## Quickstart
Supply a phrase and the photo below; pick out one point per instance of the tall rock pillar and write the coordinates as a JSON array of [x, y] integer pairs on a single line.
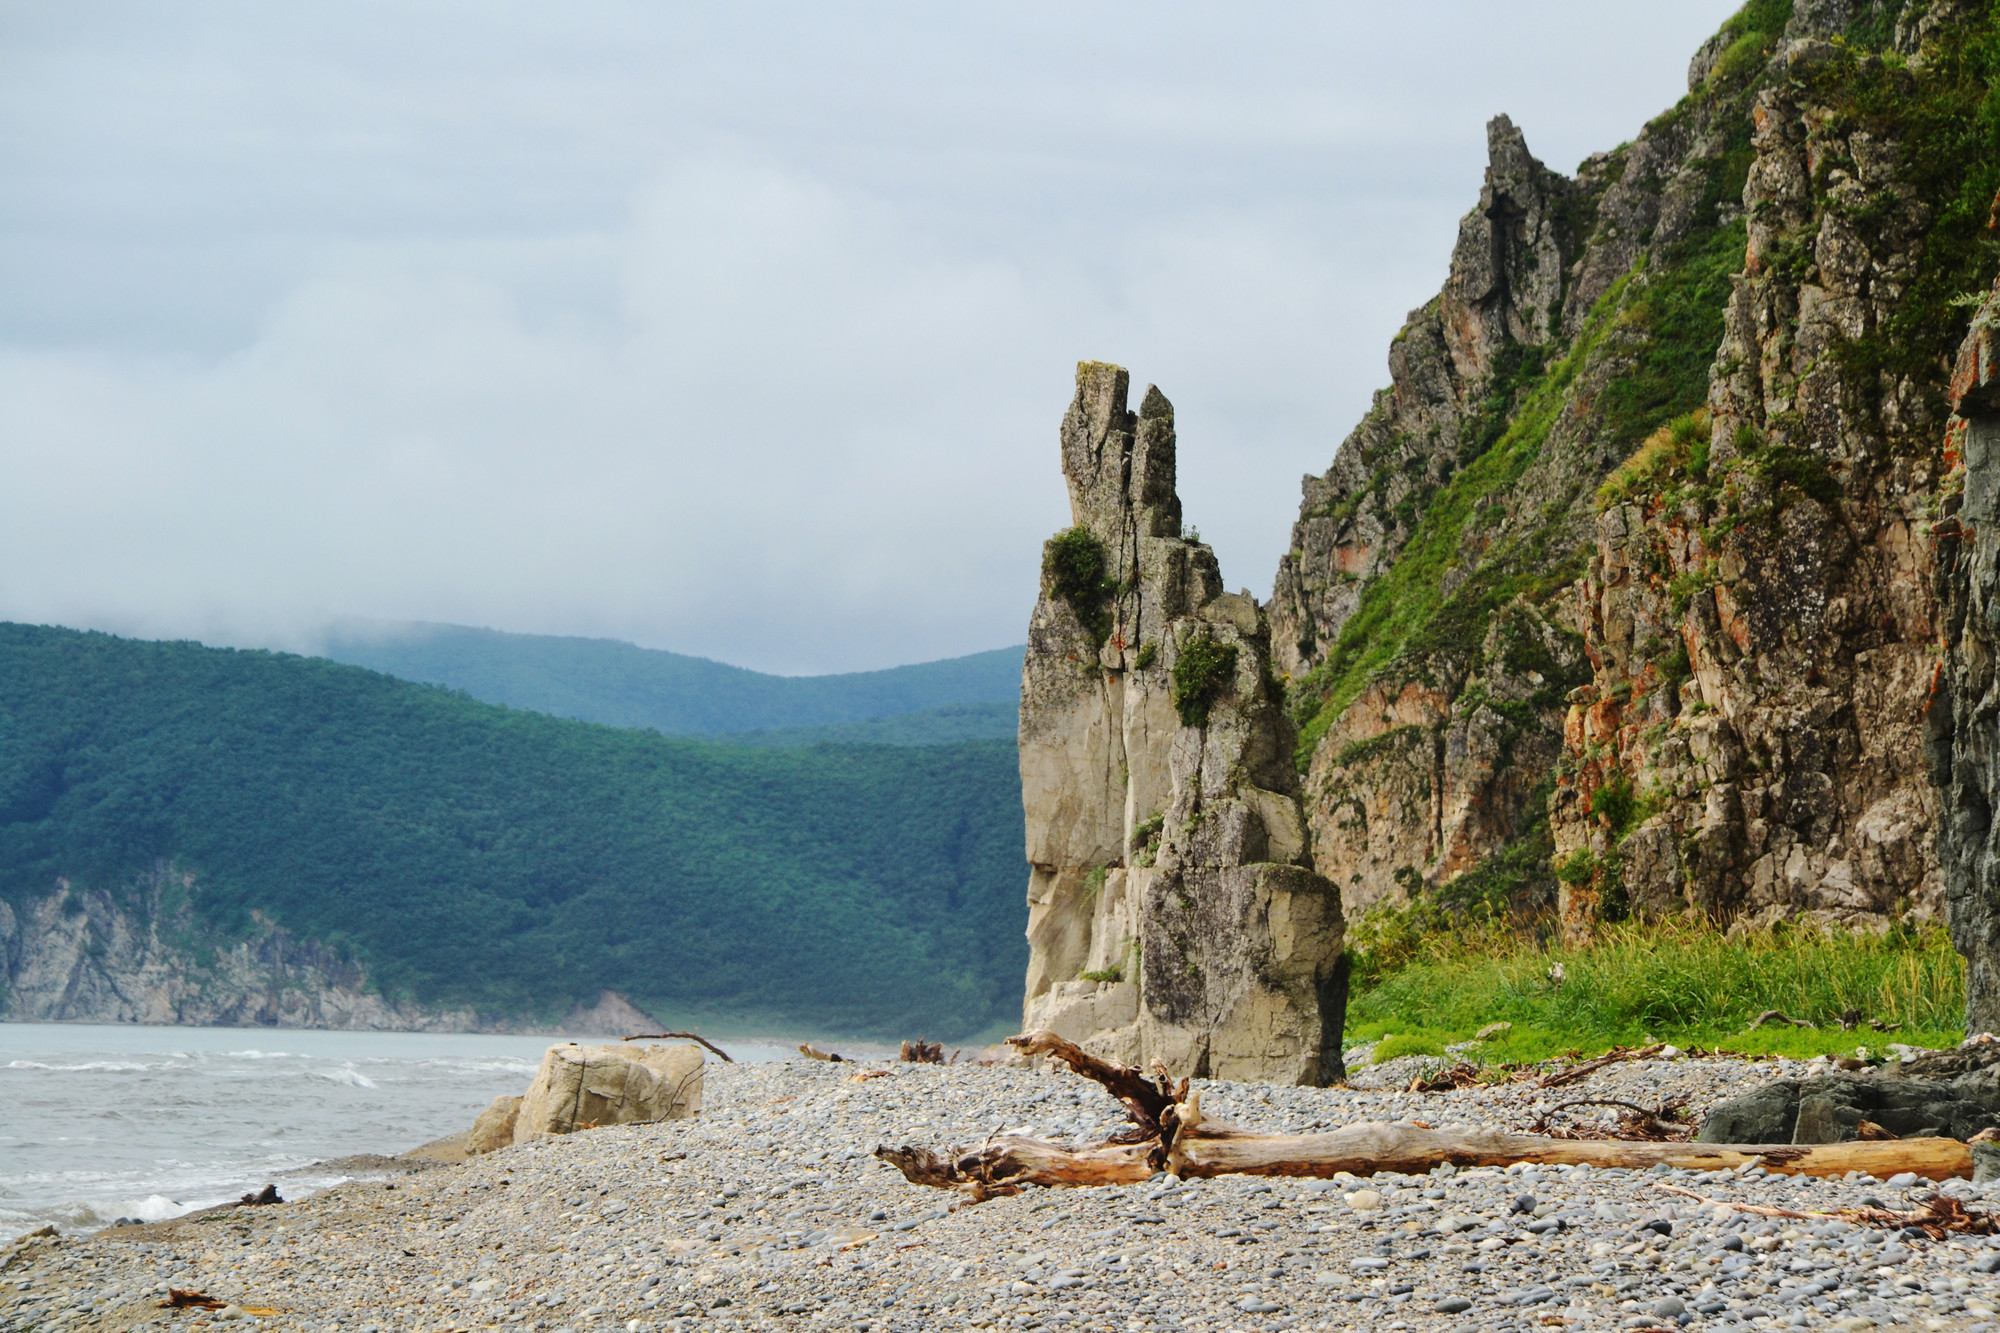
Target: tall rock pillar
[[1173, 913], [1962, 715]]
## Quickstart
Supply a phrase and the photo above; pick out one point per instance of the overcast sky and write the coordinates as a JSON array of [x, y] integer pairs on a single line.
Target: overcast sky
[[740, 330]]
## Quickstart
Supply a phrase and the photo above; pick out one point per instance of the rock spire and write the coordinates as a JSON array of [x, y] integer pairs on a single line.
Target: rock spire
[[1173, 913]]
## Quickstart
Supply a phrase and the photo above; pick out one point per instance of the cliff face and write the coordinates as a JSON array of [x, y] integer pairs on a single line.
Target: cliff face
[[142, 956], [1962, 720], [1785, 596], [1172, 915], [1621, 595]]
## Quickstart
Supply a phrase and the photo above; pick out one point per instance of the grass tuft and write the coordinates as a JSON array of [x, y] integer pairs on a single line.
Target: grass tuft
[[1677, 449]]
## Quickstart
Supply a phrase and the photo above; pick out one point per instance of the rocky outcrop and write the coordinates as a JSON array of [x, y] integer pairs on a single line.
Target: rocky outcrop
[[1758, 602], [143, 955], [585, 1087], [1962, 720], [1417, 615], [1504, 303], [1172, 911], [1628, 610], [140, 956]]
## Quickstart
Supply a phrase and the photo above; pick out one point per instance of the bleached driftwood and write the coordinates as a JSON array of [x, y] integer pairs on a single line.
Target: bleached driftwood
[[1170, 1133]]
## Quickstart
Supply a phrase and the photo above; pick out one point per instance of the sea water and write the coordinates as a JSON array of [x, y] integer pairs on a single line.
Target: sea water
[[103, 1122]]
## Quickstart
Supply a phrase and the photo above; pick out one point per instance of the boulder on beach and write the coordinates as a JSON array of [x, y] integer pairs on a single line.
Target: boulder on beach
[[495, 1127], [583, 1087], [1832, 1109]]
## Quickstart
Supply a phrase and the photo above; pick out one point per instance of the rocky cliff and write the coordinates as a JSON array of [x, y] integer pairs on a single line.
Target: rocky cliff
[[1620, 597], [1962, 719], [1172, 911], [142, 955]]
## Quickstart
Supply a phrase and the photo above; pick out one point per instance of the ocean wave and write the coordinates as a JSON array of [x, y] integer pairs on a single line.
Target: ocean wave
[[348, 1075], [107, 1066], [156, 1208]]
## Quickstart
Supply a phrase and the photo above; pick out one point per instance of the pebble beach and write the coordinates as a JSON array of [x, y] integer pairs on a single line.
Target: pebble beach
[[767, 1211]]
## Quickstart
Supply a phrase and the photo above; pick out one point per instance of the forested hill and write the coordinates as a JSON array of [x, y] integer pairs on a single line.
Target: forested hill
[[623, 685], [470, 854], [932, 726]]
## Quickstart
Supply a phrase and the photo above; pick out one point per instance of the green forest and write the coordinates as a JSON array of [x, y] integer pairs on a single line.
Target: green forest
[[472, 854]]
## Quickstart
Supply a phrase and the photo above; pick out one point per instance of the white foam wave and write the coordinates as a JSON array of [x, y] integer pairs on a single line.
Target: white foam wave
[[348, 1075], [156, 1208], [110, 1066]]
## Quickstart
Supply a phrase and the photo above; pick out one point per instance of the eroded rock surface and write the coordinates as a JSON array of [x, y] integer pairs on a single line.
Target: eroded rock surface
[[583, 1087], [1172, 910], [1762, 635], [92, 956]]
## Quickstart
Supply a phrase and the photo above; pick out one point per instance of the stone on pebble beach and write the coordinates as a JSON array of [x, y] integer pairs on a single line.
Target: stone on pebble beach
[[579, 1086], [494, 1129]]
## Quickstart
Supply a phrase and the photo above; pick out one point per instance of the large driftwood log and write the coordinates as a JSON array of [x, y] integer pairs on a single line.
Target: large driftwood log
[[1171, 1134]]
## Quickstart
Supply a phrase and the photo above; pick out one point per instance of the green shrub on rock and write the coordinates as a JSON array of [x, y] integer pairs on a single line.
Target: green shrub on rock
[[1075, 571], [1202, 674]]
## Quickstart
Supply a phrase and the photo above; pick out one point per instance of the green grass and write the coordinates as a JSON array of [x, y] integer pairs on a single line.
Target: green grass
[[1407, 604], [1681, 982]]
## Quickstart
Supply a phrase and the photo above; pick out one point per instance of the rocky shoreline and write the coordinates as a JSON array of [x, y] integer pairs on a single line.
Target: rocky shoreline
[[767, 1211]]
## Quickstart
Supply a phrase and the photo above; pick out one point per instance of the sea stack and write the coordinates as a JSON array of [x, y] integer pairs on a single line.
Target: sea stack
[[1173, 911]]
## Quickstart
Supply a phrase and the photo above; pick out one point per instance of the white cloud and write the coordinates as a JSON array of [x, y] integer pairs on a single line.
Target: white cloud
[[744, 335]]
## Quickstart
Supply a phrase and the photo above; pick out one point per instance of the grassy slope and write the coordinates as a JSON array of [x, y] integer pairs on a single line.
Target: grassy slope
[[1683, 983], [1673, 300], [514, 861], [622, 685]]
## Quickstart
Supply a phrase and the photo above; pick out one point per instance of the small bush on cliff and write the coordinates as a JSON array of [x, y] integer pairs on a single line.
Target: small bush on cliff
[[1787, 468], [1621, 807], [1073, 567], [1202, 674]]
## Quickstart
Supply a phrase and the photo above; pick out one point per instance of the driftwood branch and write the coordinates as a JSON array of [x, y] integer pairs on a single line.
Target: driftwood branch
[[1934, 1216], [1146, 1101], [1170, 1133], [682, 1036], [1658, 1123], [1616, 1055], [1362, 1150]]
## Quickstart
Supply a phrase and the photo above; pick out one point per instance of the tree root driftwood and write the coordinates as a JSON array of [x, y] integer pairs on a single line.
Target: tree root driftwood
[[1169, 1132]]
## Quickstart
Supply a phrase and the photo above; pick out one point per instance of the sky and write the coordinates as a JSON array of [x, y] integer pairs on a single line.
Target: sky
[[742, 331]]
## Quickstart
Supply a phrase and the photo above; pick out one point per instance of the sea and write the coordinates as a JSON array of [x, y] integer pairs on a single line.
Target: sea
[[99, 1123]]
